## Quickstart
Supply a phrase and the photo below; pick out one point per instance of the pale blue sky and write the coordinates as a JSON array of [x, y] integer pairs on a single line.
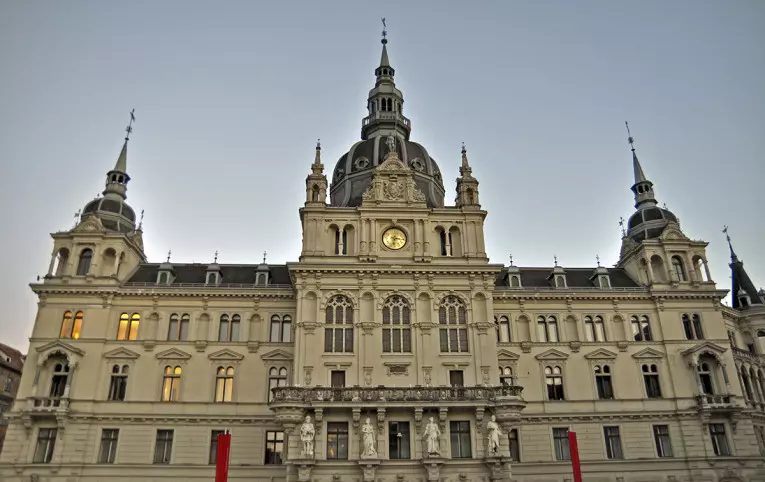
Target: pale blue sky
[[231, 96]]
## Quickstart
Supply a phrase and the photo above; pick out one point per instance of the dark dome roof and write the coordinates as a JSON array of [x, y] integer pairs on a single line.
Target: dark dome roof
[[649, 223], [115, 214], [354, 170]]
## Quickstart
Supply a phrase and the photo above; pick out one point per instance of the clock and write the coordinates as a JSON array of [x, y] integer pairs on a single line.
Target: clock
[[394, 238]]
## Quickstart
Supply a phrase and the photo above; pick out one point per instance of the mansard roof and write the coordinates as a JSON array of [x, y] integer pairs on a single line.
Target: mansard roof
[[240, 274], [575, 278]]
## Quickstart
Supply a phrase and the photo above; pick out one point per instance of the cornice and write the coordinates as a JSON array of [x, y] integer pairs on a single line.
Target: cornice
[[282, 293], [434, 270], [603, 295]]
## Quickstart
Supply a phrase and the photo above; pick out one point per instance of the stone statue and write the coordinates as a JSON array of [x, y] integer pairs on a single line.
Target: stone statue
[[369, 440], [493, 434], [432, 437], [391, 143], [307, 434]]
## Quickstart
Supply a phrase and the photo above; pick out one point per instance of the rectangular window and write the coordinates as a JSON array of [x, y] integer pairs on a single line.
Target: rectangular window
[[274, 447], [214, 446], [453, 340], [456, 378], [515, 445], [337, 440], [603, 384], [652, 387], [46, 442], [338, 340], [337, 379], [663, 443], [719, 439], [560, 441], [613, 443], [163, 449], [398, 440], [108, 451], [460, 440]]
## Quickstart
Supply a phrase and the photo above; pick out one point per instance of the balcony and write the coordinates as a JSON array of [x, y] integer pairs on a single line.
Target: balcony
[[386, 116], [745, 355], [393, 396], [42, 406]]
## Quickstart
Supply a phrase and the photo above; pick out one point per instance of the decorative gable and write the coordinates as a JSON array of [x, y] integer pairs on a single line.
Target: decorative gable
[[59, 345], [277, 356], [648, 353], [121, 354], [705, 347], [173, 354], [507, 355], [225, 355], [393, 182], [600, 354], [552, 354]]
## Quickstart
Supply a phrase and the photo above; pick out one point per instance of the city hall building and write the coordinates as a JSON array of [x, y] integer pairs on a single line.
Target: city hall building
[[393, 349]]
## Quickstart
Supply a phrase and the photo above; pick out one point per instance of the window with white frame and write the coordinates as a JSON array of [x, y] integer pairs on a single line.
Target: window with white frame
[[277, 377], [338, 333], [603, 382], [692, 326], [554, 382], [594, 328], [224, 384], [281, 329], [229, 328], [396, 333], [547, 329], [452, 318], [651, 380], [503, 328]]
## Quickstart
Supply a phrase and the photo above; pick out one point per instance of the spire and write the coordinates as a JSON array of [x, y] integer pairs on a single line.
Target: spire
[[743, 291], [317, 159], [385, 102], [643, 188], [467, 185], [465, 170], [117, 178]]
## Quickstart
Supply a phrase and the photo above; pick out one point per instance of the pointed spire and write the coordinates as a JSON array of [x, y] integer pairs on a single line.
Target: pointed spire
[[637, 168], [742, 286], [733, 257], [465, 169], [118, 178], [121, 165], [643, 188], [384, 62], [317, 159]]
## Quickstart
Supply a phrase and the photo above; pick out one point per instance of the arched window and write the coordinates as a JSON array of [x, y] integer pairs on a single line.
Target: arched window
[[277, 377], [446, 242], [281, 329], [62, 259], [641, 328], [118, 382], [506, 376], [338, 333], [341, 241], [503, 329], [692, 326], [71, 327], [315, 193], [677, 267], [397, 335], [515, 281], [171, 384], [58, 382], [83, 265], [128, 327], [554, 382], [178, 329], [594, 328], [224, 384], [603, 382], [164, 278], [229, 328], [706, 377], [452, 316], [651, 380], [547, 329]]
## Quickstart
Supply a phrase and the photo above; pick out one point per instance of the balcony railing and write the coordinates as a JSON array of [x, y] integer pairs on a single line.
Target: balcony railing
[[391, 116], [47, 404], [746, 354], [713, 402], [568, 289], [393, 394], [246, 286]]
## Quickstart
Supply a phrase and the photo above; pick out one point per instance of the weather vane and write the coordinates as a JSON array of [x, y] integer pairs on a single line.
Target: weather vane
[[555, 256], [129, 128], [621, 223], [384, 32], [169, 252], [725, 230], [264, 256], [140, 223], [511, 259], [215, 260], [597, 258], [630, 139]]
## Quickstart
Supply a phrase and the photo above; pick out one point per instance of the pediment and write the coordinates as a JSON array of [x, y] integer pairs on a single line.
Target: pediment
[[507, 355], [90, 224], [225, 355], [648, 353], [277, 355], [600, 354], [121, 353], [173, 354], [60, 346], [672, 233], [552, 354], [705, 347]]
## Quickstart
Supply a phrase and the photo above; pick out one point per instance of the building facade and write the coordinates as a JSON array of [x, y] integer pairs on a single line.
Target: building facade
[[393, 349], [11, 364]]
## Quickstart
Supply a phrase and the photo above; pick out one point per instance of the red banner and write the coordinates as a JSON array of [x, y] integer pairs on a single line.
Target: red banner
[[574, 450], [221, 460]]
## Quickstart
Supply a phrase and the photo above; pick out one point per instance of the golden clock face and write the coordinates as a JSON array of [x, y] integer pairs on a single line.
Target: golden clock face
[[394, 238]]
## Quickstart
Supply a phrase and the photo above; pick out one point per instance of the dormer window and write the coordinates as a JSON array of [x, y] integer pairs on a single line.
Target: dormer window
[[163, 278], [261, 279], [212, 279], [603, 281], [560, 281], [743, 298]]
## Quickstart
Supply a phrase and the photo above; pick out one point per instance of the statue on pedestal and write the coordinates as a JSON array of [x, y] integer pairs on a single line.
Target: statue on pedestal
[[432, 437], [369, 440], [493, 434], [307, 434]]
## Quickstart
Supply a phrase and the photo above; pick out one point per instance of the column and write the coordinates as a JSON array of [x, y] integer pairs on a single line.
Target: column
[[52, 262], [425, 238]]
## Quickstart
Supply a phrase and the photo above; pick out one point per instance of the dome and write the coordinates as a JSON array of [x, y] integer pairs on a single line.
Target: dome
[[354, 171], [115, 214], [649, 223]]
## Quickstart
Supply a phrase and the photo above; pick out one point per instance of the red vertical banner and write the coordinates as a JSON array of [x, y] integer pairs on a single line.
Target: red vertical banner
[[221, 457], [574, 450]]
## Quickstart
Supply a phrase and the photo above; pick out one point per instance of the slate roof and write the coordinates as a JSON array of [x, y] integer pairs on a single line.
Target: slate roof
[[196, 272], [741, 280], [575, 278], [17, 358]]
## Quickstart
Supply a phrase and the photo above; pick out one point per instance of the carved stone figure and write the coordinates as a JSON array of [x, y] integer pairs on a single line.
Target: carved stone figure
[[432, 437], [493, 435], [307, 434], [369, 440], [391, 143]]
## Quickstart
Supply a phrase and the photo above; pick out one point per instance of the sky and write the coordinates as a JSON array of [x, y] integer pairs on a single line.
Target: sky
[[230, 98]]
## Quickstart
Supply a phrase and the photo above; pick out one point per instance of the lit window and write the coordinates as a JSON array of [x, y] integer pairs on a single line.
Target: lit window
[[171, 384], [71, 327], [128, 327], [224, 384]]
